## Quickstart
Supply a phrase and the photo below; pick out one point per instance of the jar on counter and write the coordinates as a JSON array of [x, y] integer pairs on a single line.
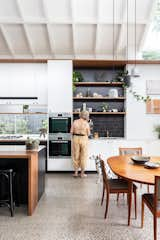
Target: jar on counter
[[96, 135]]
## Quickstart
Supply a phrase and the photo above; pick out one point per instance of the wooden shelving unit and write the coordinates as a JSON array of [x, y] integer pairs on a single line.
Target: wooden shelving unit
[[97, 78], [98, 98], [103, 113], [98, 84]]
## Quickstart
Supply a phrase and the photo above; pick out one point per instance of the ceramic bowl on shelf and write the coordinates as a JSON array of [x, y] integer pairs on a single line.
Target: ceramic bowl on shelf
[[140, 159]]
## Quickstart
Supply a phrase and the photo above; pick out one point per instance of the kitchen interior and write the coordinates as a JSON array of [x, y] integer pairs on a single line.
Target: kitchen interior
[[46, 84]]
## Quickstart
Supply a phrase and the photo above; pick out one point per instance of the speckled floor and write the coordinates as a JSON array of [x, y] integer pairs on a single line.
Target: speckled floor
[[70, 210]]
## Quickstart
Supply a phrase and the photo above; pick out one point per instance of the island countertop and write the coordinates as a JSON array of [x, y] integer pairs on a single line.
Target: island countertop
[[36, 169], [17, 151]]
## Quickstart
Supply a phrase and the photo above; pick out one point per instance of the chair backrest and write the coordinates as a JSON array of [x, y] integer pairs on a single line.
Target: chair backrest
[[130, 151], [104, 174], [157, 191]]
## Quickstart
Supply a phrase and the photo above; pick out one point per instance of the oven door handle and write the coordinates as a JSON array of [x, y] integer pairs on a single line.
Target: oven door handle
[[59, 118], [59, 141]]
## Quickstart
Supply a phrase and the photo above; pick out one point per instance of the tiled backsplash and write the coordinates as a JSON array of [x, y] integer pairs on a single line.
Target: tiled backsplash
[[22, 124], [113, 124]]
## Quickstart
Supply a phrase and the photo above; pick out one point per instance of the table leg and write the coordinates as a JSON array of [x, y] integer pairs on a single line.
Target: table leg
[[130, 202]]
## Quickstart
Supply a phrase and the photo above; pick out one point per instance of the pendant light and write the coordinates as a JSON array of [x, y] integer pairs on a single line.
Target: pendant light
[[134, 71], [127, 78]]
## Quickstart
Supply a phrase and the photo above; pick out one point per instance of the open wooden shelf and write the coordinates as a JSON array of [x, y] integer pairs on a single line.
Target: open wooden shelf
[[30, 113], [98, 84], [98, 98], [104, 113]]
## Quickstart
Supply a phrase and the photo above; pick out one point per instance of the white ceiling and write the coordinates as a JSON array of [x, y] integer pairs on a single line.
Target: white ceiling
[[71, 28]]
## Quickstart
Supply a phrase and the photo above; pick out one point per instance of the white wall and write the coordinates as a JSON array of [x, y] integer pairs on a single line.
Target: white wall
[[24, 79], [139, 125]]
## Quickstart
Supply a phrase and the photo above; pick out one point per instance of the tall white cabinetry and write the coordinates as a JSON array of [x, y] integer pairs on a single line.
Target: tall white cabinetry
[[60, 86], [59, 101]]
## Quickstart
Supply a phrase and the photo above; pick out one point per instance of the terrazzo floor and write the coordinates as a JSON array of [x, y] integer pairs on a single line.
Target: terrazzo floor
[[70, 210]]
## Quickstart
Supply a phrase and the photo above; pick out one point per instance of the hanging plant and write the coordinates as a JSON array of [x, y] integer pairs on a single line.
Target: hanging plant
[[125, 78]]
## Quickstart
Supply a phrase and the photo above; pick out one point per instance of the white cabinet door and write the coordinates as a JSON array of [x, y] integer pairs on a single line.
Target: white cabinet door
[[60, 86]]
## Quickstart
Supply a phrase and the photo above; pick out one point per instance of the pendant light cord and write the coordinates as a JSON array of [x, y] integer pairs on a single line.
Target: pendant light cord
[[113, 35], [135, 32], [127, 32], [113, 31]]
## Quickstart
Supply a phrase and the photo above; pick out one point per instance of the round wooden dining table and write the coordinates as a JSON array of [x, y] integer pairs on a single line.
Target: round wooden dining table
[[124, 167]]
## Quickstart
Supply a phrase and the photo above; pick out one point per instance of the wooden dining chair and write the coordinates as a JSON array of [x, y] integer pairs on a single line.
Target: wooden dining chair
[[132, 151], [114, 186], [153, 203]]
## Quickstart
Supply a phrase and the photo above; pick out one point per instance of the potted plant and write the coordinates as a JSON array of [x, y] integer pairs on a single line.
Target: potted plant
[[157, 129], [32, 144], [25, 108], [43, 129], [77, 77], [105, 107]]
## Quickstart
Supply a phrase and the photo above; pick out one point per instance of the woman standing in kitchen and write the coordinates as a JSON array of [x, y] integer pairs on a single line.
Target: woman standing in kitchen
[[80, 130]]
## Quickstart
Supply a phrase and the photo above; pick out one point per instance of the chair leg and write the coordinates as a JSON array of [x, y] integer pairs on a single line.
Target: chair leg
[[148, 188], [135, 202], [102, 195], [117, 197], [107, 203], [155, 226], [142, 214], [130, 202], [11, 195]]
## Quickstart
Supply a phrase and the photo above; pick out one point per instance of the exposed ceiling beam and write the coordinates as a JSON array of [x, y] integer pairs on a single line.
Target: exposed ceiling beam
[[51, 45], [73, 27], [8, 43], [122, 28], [147, 26], [18, 4], [31, 20], [28, 38]]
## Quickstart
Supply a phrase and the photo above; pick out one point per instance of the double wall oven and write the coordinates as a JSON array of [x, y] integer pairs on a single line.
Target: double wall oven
[[59, 135]]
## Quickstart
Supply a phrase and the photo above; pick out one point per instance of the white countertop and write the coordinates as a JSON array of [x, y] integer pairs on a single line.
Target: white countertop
[[21, 137]]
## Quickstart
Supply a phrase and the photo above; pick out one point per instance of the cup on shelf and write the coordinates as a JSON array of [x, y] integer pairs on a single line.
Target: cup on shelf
[[114, 110], [89, 109]]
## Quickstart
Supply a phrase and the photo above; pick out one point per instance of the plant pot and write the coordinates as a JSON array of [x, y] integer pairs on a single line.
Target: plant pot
[[32, 146], [25, 110]]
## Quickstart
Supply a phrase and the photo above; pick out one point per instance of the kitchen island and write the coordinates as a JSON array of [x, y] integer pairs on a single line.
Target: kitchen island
[[30, 166]]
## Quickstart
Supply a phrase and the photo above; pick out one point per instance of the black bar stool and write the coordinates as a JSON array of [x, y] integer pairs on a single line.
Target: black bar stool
[[6, 183]]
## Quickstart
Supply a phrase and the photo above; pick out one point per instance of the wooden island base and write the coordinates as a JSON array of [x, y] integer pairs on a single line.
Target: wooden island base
[[36, 169]]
